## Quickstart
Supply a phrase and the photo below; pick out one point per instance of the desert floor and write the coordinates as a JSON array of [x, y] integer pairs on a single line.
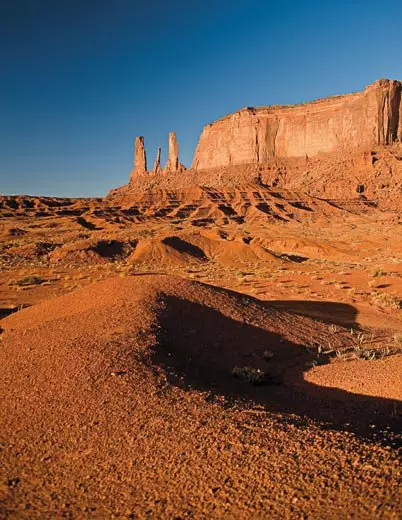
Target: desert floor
[[204, 366]]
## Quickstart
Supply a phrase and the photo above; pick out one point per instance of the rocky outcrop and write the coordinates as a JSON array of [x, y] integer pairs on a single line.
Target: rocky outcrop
[[256, 135], [140, 158], [173, 164], [157, 164]]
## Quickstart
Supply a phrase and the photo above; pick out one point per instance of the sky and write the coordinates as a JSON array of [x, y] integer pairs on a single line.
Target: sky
[[81, 79]]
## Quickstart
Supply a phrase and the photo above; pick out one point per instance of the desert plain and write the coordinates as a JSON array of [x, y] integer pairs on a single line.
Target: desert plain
[[218, 342]]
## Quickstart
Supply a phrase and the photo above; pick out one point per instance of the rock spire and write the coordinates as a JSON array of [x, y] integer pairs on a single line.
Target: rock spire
[[173, 164], [157, 164], [140, 157]]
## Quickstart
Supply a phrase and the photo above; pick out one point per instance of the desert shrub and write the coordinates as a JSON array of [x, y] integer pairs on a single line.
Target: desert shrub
[[366, 354], [29, 280], [251, 375], [371, 354], [383, 299]]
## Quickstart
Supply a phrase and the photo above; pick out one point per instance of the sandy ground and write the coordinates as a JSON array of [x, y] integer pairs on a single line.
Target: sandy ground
[[121, 337]]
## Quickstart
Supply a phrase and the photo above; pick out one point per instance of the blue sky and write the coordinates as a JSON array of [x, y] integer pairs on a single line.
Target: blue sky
[[80, 79]]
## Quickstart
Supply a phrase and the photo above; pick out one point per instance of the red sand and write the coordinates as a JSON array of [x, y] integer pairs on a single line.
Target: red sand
[[119, 401]]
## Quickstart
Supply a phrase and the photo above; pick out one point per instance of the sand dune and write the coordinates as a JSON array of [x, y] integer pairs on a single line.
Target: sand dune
[[97, 416]]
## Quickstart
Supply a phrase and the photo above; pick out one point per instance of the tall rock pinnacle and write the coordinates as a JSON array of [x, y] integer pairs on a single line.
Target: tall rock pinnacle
[[173, 160], [157, 165], [173, 164], [140, 158]]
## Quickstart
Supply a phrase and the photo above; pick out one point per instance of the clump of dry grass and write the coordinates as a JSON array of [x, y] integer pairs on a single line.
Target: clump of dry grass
[[383, 299], [398, 337], [364, 348], [251, 375], [29, 280]]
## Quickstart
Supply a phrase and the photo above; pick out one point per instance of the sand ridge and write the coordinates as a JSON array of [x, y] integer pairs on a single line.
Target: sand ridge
[[115, 405]]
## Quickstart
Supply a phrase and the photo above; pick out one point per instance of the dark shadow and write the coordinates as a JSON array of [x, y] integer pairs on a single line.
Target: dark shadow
[[202, 222], [300, 205], [44, 248], [57, 203], [327, 312], [131, 212], [12, 203], [86, 224], [16, 232], [199, 348], [6, 311], [184, 247], [266, 208], [227, 210], [294, 258], [70, 212], [113, 249]]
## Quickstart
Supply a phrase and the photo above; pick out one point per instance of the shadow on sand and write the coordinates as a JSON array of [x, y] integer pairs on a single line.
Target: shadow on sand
[[200, 347], [327, 312]]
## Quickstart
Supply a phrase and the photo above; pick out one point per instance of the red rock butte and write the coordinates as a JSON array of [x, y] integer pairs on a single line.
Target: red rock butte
[[337, 148], [255, 135]]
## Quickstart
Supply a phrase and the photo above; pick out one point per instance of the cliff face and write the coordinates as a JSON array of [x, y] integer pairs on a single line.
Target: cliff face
[[254, 135]]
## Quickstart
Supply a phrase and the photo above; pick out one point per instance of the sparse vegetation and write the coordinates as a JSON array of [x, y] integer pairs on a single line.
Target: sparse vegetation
[[365, 348], [370, 354], [383, 299], [29, 280], [251, 375]]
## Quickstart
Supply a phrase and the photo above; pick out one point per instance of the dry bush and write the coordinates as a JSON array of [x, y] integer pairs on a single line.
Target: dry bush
[[251, 375], [29, 280], [383, 299]]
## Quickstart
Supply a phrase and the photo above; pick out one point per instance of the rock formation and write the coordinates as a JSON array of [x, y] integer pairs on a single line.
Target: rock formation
[[255, 135], [173, 164], [140, 158], [157, 164]]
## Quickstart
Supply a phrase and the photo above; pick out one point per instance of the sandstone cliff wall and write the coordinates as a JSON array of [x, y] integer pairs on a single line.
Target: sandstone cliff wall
[[255, 135]]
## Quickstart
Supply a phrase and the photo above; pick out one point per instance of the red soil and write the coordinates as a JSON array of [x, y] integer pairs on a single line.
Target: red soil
[[114, 405], [118, 399]]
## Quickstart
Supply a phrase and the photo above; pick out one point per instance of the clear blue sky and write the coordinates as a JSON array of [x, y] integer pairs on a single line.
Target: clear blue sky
[[80, 79]]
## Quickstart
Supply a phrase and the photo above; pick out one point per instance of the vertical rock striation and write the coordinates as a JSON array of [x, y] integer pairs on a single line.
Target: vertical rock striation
[[389, 112], [254, 135]]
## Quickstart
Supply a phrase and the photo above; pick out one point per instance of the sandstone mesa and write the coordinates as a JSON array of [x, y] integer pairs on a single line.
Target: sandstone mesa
[[253, 135], [256, 135], [339, 147]]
